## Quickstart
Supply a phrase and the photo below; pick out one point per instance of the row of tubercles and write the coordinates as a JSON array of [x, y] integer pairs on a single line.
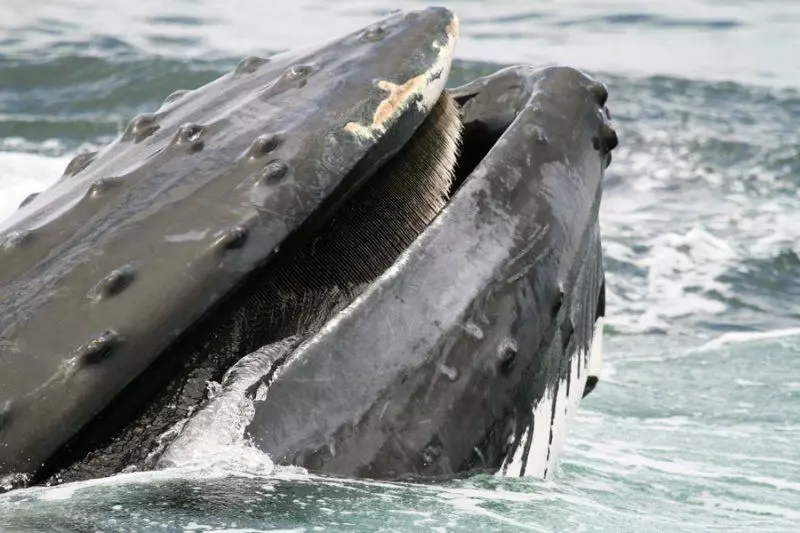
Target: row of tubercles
[[188, 136]]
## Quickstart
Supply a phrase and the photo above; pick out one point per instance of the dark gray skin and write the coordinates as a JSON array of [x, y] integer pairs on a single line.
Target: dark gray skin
[[109, 280], [436, 367], [104, 271]]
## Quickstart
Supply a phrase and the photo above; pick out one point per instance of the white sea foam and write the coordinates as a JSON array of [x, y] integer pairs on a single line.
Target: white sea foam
[[739, 337], [22, 174], [216, 433]]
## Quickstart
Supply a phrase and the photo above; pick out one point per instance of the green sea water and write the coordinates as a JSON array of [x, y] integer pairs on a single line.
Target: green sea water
[[695, 425]]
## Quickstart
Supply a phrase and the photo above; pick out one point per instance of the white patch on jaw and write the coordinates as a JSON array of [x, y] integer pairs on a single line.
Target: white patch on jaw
[[546, 438], [595, 366], [400, 95], [539, 440], [431, 92]]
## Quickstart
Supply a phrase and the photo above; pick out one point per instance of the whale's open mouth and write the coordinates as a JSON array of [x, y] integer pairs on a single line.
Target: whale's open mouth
[[315, 274], [319, 271], [337, 194]]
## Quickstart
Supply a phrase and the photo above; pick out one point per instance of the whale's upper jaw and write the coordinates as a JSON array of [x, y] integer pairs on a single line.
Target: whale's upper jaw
[[134, 245]]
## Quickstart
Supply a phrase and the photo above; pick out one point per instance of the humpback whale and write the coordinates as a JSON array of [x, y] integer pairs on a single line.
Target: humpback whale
[[393, 278]]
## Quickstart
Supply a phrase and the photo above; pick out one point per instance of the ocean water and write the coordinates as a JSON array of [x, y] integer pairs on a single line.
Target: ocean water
[[695, 425]]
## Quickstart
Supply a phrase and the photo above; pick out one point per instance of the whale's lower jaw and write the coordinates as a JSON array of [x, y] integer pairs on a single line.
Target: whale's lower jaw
[[445, 361]]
